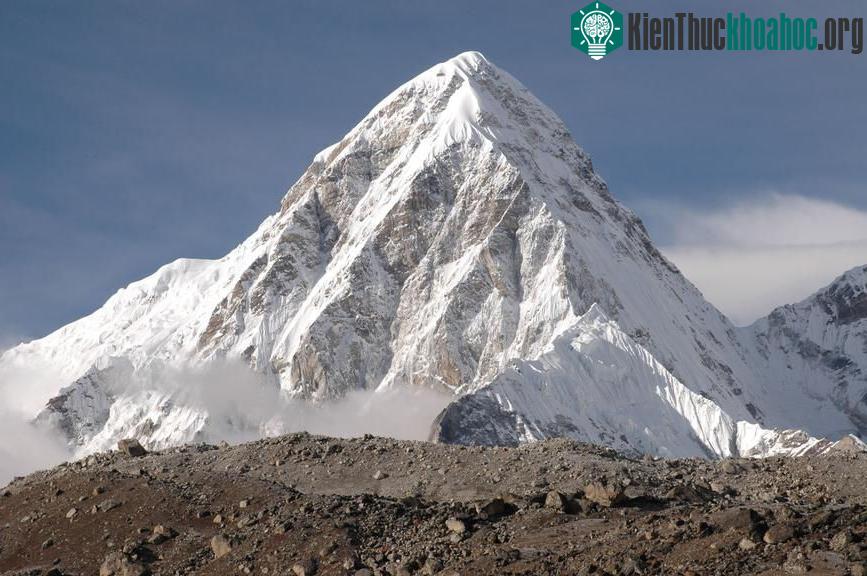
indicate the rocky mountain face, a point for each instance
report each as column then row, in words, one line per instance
column 458, row 239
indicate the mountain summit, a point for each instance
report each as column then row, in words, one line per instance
column 458, row 239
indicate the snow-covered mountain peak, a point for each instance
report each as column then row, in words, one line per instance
column 455, row 239
column 468, row 62
column 845, row 299
column 464, row 100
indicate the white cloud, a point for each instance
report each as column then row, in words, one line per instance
column 241, row 406
column 24, row 446
column 231, row 392
column 774, row 220
column 753, row 256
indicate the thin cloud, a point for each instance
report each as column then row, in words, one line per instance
column 753, row 256
column 774, row 220
column 24, row 445
column 240, row 406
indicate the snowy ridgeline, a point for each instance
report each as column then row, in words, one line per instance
column 456, row 246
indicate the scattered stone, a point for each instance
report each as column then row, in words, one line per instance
column 540, row 483
column 746, row 544
column 117, row 564
column 795, row 563
column 72, row 512
column 456, row 526
column 161, row 534
column 108, row 505
column 47, row 544
column 328, row 549
column 379, row 475
column 306, row 568
column 220, row 546
column 841, row 540
column 431, row 566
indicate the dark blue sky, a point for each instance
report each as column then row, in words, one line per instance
column 133, row 133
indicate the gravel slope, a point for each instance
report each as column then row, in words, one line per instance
column 301, row 504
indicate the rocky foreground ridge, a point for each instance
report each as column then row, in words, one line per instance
column 306, row 505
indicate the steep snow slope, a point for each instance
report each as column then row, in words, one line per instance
column 595, row 383
column 814, row 354
column 456, row 229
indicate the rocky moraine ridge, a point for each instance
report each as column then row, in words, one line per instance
column 303, row 505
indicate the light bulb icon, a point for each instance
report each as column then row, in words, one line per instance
column 597, row 27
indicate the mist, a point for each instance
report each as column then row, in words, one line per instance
column 224, row 401
column 25, row 447
column 243, row 405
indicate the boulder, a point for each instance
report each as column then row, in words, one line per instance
column 555, row 501
column 604, row 494
column 131, row 447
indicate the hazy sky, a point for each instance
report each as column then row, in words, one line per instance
column 133, row 133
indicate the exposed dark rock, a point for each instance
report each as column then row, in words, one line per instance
column 131, row 447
